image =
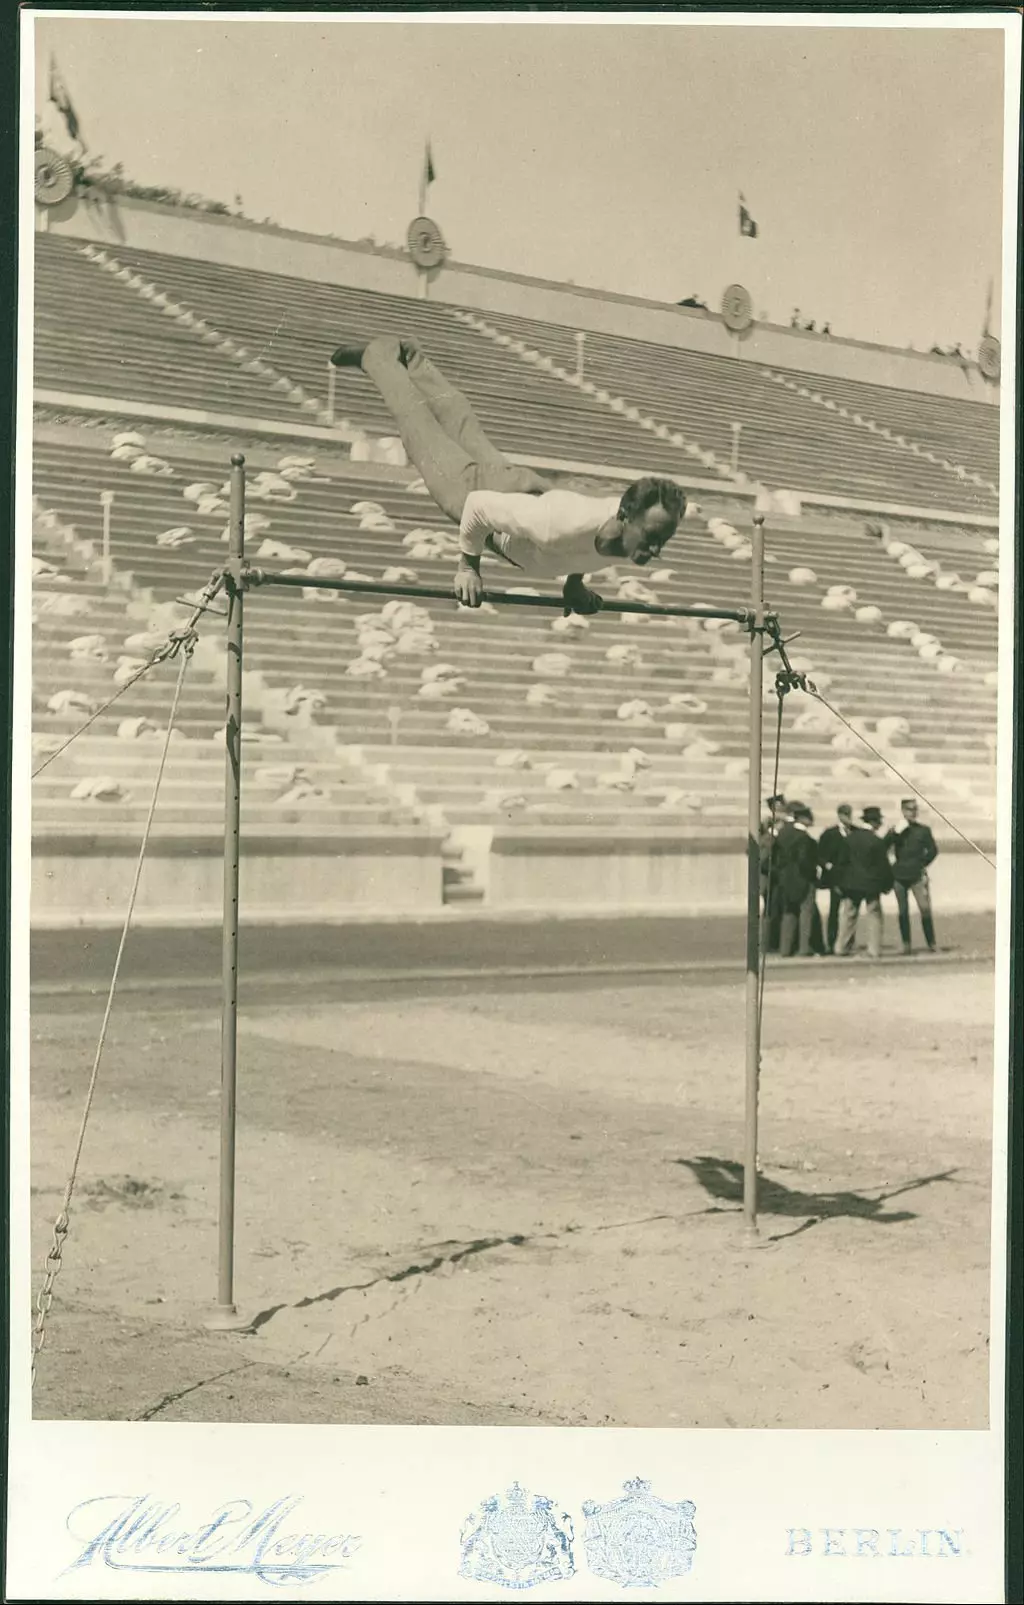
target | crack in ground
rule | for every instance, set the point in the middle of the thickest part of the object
(478, 1246)
(172, 1398)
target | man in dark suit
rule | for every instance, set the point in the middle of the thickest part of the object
(829, 848)
(864, 874)
(795, 868)
(770, 906)
(913, 848)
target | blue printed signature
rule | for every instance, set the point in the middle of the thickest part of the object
(145, 1534)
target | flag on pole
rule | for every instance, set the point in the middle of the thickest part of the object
(62, 100)
(427, 177)
(748, 228)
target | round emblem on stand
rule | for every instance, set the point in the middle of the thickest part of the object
(425, 242)
(54, 178)
(990, 357)
(737, 308)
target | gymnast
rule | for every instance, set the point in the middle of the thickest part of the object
(510, 512)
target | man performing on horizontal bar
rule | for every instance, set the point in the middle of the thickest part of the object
(510, 512)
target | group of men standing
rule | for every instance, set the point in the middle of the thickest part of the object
(856, 864)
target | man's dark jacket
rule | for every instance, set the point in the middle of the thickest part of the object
(914, 849)
(863, 868)
(794, 863)
(830, 845)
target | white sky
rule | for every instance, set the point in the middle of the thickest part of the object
(610, 155)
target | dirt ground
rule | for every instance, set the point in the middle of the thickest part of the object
(519, 1204)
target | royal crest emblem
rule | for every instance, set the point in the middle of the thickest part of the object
(517, 1539)
(639, 1540)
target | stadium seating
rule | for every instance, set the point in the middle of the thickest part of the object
(393, 749)
(787, 439)
(96, 333)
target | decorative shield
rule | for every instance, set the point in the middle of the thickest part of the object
(639, 1541)
(426, 245)
(737, 308)
(517, 1540)
(990, 357)
(54, 178)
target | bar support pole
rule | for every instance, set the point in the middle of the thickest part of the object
(755, 934)
(225, 1317)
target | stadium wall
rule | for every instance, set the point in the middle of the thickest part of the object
(211, 237)
(84, 881)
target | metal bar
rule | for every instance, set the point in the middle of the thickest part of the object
(326, 582)
(755, 934)
(224, 1316)
(332, 379)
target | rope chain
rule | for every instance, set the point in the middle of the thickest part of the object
(177, 639)
(185, 641)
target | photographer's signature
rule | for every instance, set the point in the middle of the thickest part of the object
(144, 1534)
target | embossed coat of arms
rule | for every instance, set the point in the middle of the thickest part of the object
(518, 1540)
(638, 1540)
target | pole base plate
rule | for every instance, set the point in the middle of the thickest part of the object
(225, 1318)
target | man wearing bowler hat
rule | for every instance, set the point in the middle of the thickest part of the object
(796, 866)
(830, 845)
(864, 874)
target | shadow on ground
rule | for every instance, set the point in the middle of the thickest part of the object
(722, 1180)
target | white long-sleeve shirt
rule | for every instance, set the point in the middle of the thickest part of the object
(546, 535)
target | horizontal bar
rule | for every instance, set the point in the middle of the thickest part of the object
(327, 582)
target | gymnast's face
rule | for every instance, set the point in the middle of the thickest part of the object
(644, 536)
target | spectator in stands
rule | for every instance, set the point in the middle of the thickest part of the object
(510, 512)
(826, 328)
(794, 321)
(829, 850)
(864, 875)
(795, 869)
(913, 848)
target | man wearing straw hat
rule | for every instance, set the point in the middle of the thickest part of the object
(505, 510)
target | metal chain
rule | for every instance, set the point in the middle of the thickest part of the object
(185, 642)
(175, 641)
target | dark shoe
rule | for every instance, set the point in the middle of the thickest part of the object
(348, 357)
(407, 349)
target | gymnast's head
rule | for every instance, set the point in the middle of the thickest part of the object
(648, 517)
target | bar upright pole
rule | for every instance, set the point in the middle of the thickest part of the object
(754, 930)
(106, 502)
(224, 1316)
(332, 378)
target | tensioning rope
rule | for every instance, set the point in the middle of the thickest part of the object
(813, 691)
(174, 640)
(785, 681)
(185, 642)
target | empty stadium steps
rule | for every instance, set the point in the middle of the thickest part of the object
(401, 744)
(97, 334)
(787, 440)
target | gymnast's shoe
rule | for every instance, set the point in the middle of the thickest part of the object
(348, 357)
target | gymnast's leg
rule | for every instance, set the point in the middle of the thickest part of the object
(440, 432)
